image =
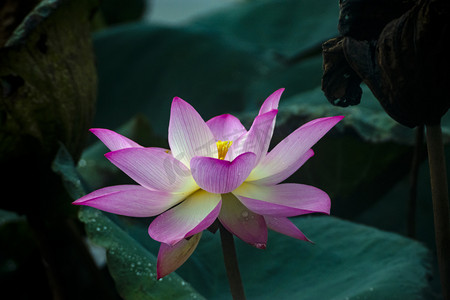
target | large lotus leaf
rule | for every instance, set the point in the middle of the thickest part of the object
(347, 261)
(142, 67)
(287, 27)
(131, 265)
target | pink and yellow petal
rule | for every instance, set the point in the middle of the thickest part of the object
(242, 222)
(154, 169)
(196, 213)
(189, 136)
(285, 200)
(221, 176)
(130, 200)
(171, 258)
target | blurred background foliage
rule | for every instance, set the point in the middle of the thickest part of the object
(222, 60)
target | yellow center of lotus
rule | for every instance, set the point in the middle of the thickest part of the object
(222, 148)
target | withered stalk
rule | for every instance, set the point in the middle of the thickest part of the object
(439, 190)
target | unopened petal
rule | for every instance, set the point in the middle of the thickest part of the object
(113, 140)
(222, 176)
(189, 135)
(242, 222)
(153, 169)
(284, 226)
(271, 102)
(226, 127)
(285, 157)
(130, 200)
(171, 258)
(285, 200)
(196, 213)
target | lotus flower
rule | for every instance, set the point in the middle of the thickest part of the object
(213, 170)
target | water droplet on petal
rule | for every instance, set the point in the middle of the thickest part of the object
(260, 245)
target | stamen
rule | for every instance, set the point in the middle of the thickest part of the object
(222, 148)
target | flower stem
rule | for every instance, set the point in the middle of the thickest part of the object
(231, 264)
(439, 190)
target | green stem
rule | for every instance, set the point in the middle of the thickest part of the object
(231, 264)
(439, 190)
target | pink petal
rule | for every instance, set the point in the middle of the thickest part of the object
(271, 102)
(285, 226)
(191, 216)
(268, 177)
(221, 176)
(130, 200)
(189, 135)
(171, 258)
(285, 157)
(245, 224)
(153, 169)
(257, 139)
(283, 200)
(226, 127)
(113, 140)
